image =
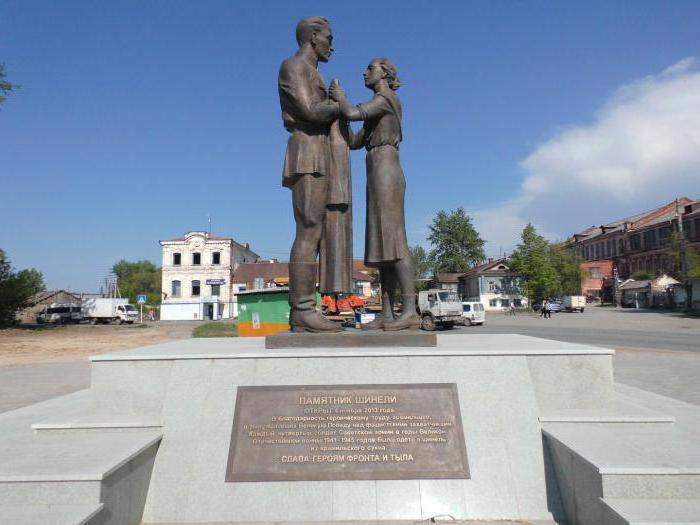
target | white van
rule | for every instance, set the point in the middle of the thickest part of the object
(473, 313)
(60, 313)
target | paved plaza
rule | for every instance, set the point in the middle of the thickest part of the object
(655, 351)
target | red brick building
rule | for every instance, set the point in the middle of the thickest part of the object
(637, 243)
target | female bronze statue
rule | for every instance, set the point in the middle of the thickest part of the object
(386, 247)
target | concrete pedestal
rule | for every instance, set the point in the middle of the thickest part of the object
(505, 384)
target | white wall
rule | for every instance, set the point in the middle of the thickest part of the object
(180, 312)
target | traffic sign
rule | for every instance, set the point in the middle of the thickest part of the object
(141, 298)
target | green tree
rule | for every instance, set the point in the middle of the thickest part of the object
(421, 265)
(692, 257)
(532, 260)
(5, 87)
(139, 277)
(456, 245)
(567, 264)
(16, 289)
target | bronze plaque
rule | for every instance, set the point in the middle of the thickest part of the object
(327, 432)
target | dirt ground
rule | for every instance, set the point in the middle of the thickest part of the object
(19, 346)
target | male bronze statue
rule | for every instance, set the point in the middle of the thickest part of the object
(317, 170)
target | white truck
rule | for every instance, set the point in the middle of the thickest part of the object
(574, 302)
(439, 308)
(109, 310)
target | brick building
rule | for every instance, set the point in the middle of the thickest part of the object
(637, 243)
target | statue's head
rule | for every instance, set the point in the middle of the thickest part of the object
(382, 69)
(316, 32)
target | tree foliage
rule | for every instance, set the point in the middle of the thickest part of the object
(643, 275)
(420, 261)
(567, 265)
(532, 260)
(5, 87)
(141, 277)
(421, 265)
(692, 258)
(16, 289)
(456, 245)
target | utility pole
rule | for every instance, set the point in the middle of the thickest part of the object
(683, 262)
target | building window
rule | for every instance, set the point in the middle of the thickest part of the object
(517, 303)
(650, 239)
(215, 290)
(196, 258)
(216, 258)
(621, 246)
(595, 272)
(175, 288)
(492, 286)
(176, 259)
(635, 242)
(664, 233)
(609, 248)
(195, 288)
(493, 302)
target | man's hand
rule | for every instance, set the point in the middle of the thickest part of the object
(336, 92)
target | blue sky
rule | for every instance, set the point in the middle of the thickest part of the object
(136, 120)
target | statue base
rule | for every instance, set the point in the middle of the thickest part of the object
(352, 339)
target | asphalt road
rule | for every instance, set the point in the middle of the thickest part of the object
(609, 327)
(610, 337)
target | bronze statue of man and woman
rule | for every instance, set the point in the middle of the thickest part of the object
(317, 170)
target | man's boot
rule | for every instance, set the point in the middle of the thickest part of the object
(408, 317)
(303, 316)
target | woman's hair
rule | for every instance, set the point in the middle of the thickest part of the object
(392, 77)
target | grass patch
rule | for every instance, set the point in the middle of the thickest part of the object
(216, 329)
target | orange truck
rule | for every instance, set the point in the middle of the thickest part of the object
(333, 306)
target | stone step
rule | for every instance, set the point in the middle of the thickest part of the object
(53, 514)
(651, 512)
(96, 421)
(621, 461)
(620, 410)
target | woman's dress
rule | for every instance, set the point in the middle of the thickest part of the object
(385, 233)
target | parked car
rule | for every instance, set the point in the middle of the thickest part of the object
(554, 306)
(473, 313)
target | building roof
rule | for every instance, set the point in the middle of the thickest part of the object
(208, 235)
(447, 277)
(48, 294)
(491, 266)
(361, 276)
(634, 285)
(659, 215)
(248, 272)
(268, 271)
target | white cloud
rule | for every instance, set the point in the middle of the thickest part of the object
(641, 150)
